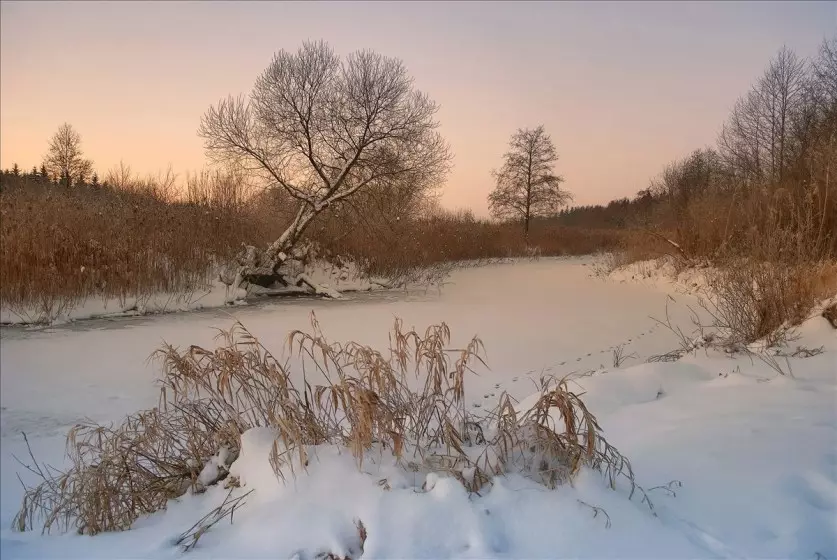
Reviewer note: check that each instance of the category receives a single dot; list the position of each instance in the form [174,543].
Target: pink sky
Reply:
[622,88]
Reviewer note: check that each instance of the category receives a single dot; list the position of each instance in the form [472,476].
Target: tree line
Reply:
[346,135]
[774,164]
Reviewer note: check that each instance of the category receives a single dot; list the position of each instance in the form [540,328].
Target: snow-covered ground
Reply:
[756,452]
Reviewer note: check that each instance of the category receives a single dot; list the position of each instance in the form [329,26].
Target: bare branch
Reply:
[324,129]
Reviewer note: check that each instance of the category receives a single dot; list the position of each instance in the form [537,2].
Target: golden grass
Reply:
[62,246]
[752,301]
[407,401]
[773,251]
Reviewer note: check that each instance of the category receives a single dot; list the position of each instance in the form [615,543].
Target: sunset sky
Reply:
[621,87]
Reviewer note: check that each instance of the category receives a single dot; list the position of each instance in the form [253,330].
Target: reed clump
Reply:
[407,401]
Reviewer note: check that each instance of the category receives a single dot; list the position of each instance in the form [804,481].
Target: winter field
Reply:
[738,461]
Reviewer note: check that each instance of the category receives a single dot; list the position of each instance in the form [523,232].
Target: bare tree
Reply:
[65,159]
[740,141]
[825,73]
[526,185]
[324,129]
[783,85]
[688,178]
[759,135]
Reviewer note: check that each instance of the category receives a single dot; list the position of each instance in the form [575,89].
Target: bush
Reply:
[752,300]
[407,402]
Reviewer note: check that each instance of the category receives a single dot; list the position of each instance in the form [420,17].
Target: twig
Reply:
[189,539]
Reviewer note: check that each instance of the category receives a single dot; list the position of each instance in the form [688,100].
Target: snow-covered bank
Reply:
[756,452]
[663,273]
[344,278]
[332,279]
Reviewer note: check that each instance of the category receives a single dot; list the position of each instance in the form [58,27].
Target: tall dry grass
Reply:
[135,237]
[407,402]
[772,257]
[61,246]
[765,219]
[751,300]
[387,248]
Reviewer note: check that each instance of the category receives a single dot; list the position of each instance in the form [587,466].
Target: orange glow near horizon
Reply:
[622,88]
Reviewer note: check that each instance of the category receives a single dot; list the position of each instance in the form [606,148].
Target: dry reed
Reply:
[408,402]
[138,237]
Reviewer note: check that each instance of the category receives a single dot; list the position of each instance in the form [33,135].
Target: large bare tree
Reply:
[64,159]
[323,129]
[526,184]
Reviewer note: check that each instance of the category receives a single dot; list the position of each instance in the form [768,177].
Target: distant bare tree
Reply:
[688,178]
[783,85]
[65,159]
[758,136]
[825,71]
[741,137]
[526,185]
[324,129]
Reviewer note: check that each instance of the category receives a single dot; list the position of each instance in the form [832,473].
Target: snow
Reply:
[756,452]
[216,466]
[331,280]
[663,273]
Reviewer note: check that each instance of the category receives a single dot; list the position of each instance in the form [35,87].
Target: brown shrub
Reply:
[407,400]
[752,300]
